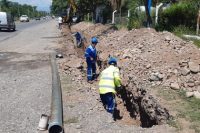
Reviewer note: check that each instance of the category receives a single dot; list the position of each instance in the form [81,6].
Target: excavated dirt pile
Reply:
[146,59]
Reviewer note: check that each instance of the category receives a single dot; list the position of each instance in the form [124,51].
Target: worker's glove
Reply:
[119,88]
[91,58]
[99,63]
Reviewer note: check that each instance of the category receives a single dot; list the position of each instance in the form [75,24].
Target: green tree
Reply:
[17,9]
[58,6]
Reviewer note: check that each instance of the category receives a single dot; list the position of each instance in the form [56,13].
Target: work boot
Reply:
[95,77]
[90,81]
[110,118]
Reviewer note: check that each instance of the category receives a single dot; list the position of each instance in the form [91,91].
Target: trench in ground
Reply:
[140,107]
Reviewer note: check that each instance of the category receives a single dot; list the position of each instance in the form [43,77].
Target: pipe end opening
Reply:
[55,129]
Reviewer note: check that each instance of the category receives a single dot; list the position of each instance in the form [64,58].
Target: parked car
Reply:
[7,21]
[24,18]
[44,18]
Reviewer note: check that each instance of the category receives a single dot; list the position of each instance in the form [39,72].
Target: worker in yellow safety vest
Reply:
[109,82]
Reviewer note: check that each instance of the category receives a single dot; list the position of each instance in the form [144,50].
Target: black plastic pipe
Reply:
[56,118]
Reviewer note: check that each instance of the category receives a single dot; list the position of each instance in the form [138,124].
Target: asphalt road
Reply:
[25,75]
[20,26]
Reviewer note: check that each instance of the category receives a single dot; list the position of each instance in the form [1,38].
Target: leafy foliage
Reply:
[183,13]
[58,6]
[185,108]
[84,6]
[17,9]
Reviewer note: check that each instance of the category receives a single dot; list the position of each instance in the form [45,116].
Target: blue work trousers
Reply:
[78,40]
[108,101]
[91,69]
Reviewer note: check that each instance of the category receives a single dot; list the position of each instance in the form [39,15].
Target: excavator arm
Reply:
[71,11]
[72,4]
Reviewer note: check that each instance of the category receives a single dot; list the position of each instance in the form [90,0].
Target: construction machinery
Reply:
[71,14]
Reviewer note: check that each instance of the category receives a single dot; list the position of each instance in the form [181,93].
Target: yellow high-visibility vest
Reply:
[109,79]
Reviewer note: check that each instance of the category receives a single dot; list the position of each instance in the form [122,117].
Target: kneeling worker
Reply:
[109,81]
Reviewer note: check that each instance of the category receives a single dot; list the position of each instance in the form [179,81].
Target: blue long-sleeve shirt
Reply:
[91,52]
[78,36]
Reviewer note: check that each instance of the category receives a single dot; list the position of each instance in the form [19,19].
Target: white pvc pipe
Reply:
[113,16]
[128,13]
[157,9]
[191,37]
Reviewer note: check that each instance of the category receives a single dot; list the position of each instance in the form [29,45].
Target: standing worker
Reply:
[109,81]
[59,22]
[91,58]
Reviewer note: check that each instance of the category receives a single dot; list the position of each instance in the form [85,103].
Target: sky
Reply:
[42,5]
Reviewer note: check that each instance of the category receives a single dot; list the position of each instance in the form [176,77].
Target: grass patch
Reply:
[71,120]
[167,94]
[192,109]
[173,122]
[187,108]
[120,26]
[180,30]
[196,42]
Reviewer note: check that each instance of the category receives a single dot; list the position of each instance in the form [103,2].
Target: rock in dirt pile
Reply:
[146,59]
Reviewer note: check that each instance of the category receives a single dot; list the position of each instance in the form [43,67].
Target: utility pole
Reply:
[198,22]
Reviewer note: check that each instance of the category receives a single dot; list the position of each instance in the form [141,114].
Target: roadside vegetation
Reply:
[185,108]
[17,9]
[181,19]
[196,42]
[183,30]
